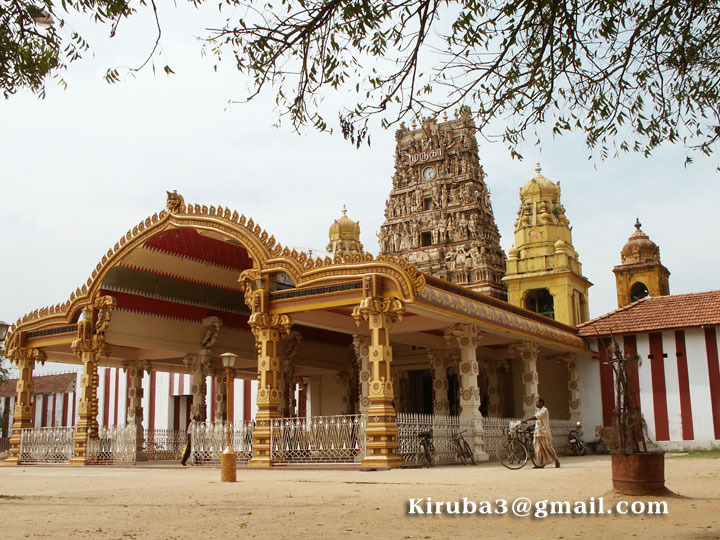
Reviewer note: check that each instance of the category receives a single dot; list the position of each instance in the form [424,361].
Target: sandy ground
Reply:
[171,502]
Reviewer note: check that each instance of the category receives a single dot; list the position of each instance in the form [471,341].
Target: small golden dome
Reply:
[540,185]
[513,253]
[344,228]
[560,245]
[344,236]
[639,248]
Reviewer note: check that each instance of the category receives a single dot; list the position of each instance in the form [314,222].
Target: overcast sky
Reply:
[86,164]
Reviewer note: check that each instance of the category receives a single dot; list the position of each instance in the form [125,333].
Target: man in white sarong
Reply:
[544,451]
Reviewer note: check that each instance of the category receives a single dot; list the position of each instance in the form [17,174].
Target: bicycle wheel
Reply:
[425,455]
[459,452]
[513,454]
[533,457]
[468,452]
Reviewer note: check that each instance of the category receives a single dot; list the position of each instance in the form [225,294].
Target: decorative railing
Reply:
[318,439]
[209,439]
[410,425]
[163,444]
[115,444]
[496,429]
[4,444]
[47,445]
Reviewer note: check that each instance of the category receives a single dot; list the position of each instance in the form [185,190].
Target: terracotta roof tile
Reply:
[658,313]
[44,384]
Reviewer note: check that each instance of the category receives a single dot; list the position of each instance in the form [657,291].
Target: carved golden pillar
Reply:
[381,429]
[268,330]
[89,347]
[438,368]
[135,412]
[362,351]
[25,359]
[466,336]
[528,352]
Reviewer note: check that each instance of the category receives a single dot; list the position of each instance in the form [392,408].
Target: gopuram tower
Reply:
[438,215]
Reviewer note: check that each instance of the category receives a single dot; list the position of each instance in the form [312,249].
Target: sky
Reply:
[83,166]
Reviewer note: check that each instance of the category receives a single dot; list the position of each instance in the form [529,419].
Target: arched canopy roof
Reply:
[209,246]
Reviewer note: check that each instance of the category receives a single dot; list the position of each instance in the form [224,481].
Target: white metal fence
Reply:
[47,445]
[410,425]
[114,445]
[163,444]
[318,439]
[209,439]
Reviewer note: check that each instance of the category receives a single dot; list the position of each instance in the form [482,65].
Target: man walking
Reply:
[188,442]
[544,451]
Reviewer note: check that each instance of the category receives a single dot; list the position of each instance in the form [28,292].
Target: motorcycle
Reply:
[577,445]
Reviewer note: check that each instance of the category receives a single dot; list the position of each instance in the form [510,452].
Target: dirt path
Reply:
[179,503]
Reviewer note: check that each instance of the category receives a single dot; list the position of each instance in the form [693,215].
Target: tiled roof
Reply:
[658,313]
[44,384]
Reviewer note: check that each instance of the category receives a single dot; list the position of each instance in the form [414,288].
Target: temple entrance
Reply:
[420,392]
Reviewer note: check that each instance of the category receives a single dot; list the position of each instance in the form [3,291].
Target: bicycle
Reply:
[427,448]
[517,448]
[462,448]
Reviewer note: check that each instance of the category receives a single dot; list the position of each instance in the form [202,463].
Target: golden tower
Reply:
[640,273]
[344,236]
[544,273]
[438,215]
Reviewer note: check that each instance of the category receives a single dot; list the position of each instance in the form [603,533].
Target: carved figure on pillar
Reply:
[381,429]
[25,359]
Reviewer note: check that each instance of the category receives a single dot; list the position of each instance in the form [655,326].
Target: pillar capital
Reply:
[462,335]
[24,355]
[379,311]
[269,322]
[526,350]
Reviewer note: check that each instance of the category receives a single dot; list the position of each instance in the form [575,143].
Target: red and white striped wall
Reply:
[678,382]
[166,401]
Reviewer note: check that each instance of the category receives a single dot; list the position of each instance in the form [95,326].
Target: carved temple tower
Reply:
[438,215]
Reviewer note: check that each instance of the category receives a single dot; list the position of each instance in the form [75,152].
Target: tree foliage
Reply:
[629,74]
[35,41]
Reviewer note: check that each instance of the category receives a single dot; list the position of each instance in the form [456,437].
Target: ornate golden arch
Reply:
[267,255]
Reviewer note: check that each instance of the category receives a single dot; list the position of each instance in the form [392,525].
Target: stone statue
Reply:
[211,333]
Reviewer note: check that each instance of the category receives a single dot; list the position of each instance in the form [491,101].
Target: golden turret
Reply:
[640,273]
[344,236]
[544,273]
